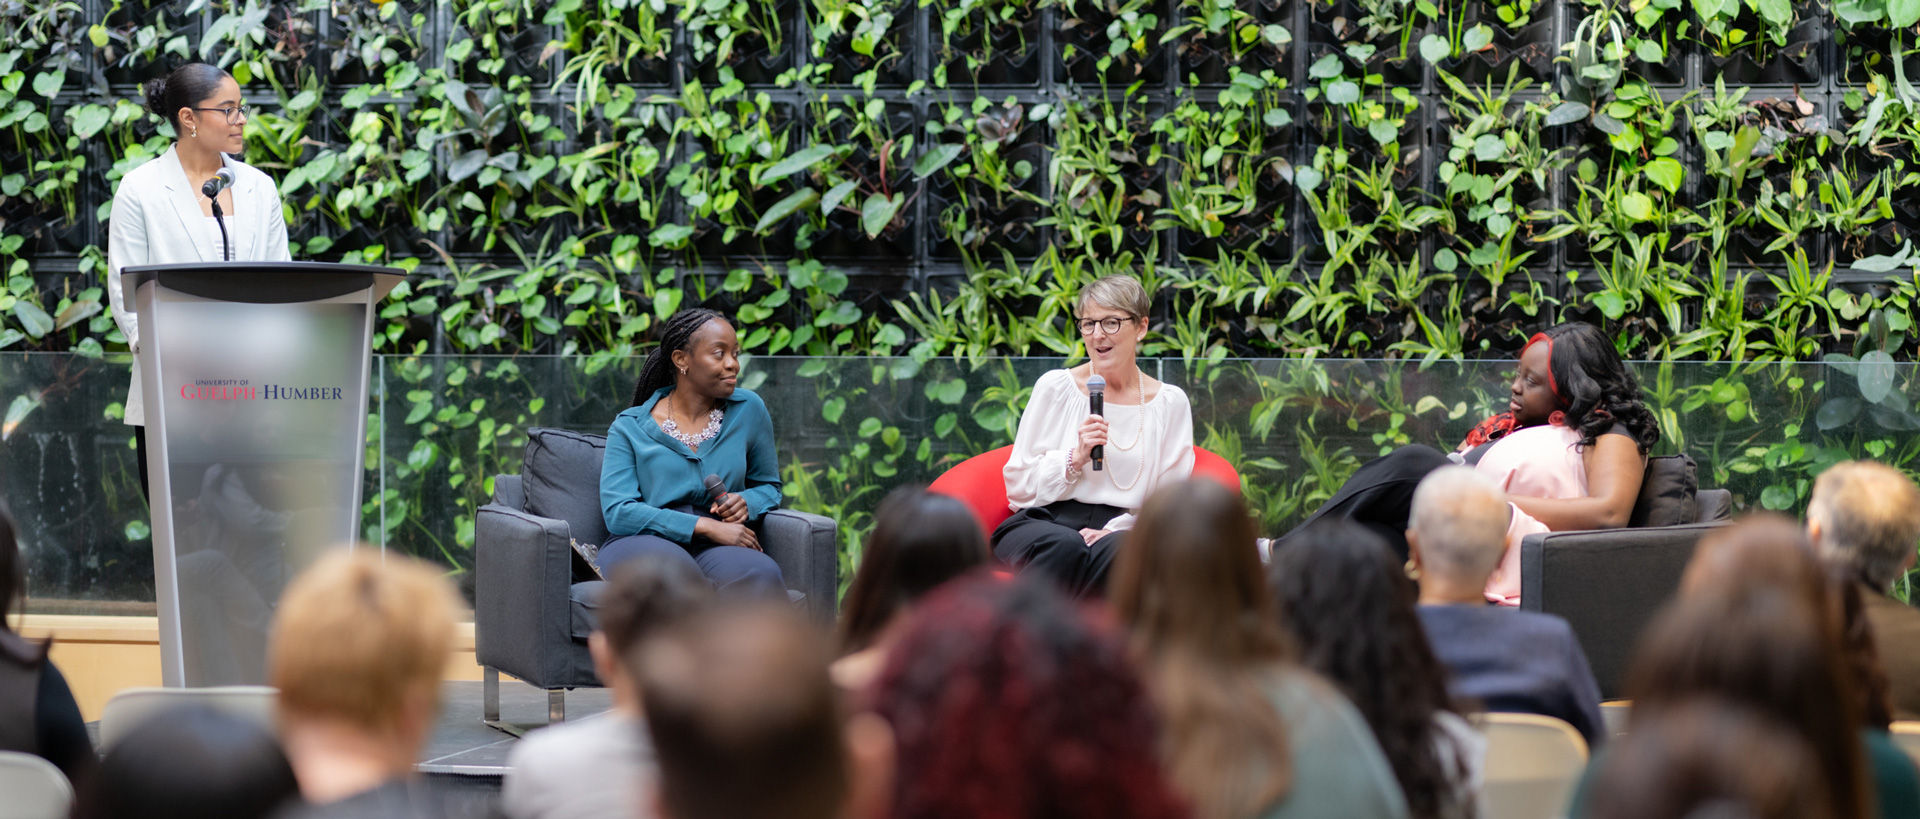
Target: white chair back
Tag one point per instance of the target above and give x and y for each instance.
(33, 788)
(129, 708)
(1533, 765)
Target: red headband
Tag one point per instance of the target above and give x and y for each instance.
(1541, 338)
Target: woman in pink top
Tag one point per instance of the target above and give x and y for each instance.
(1570, 451)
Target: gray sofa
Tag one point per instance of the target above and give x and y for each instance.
(1609, 584)
(534, 599)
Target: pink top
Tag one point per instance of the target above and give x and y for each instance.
(1535, 462)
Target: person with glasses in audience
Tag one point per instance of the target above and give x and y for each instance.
(1071, 511)
(161, 215)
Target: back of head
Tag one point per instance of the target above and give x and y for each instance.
(649, 594)
(357, 634)
(1867, 518)
(1701, 758)
(1766, 549)
(191, 762)
(743, 717)
(1460, 521)
(1007, 701)
(1188, 588)
(919, 541)
(1763, 647)
(1350, 610)
(12, 585)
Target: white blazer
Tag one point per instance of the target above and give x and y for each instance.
(156, 219)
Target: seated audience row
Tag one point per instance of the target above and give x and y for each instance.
(1325, 684)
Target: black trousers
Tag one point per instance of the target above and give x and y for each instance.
(1379, 496)
(1046, 539)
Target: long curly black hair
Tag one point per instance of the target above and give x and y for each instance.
(1595, 386)
(675, 334)
(1350, 610)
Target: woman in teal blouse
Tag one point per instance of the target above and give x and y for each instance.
(690, 420)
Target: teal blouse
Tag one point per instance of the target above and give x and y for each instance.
(646, 472)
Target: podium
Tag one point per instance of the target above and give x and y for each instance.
(255, 379)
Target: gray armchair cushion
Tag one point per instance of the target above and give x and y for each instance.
(1666, 493)
(584, 606)
(522, 613)
(509, 492)
(1608, 584)
(1713, 505)
(562, 480)
(804, 546)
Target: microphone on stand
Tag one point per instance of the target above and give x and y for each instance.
(222, 180)
(1096, 405)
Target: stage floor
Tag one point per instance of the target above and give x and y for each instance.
(462, 745)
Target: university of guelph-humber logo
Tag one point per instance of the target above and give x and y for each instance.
(229, 389)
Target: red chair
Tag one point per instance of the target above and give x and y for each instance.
(980, 482)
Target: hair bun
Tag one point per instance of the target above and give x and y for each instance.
(156, 93)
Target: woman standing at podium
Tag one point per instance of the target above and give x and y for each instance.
(162, 215)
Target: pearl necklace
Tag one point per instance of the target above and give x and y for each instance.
(1140, 411)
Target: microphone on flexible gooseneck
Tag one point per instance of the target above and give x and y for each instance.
(1096, 405)
(221, 180)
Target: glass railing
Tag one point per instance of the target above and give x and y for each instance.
(850, 429)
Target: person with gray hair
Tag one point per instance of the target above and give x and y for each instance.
(1505, 659)
(1864, 518)
(1076, 474)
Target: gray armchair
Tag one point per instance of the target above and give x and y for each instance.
(1610, 583)
(533, 611)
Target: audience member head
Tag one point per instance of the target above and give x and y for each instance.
(1765, 647)
(1350, 609)
(1701, 758)
(359, 645)
(1865, 517)
(1007, 701)
(1769, 549)
(13, 582)
(641, 597)
(190, 762)
(1188, 588)
(919, 541)
(743, 718)
(1593, 385)
(1456, 533)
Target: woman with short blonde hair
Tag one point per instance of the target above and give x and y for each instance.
(1071, 511)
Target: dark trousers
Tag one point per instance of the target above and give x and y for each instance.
(733, 570)
(1046, 539)
(1379, 496)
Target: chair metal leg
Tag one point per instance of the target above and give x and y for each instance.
(490, 704)
(556, 706)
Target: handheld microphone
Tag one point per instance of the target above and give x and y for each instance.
(222, 180)
(716, 489)
(1096, 405)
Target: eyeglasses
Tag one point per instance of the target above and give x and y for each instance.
(234, 115)
(1106, 325)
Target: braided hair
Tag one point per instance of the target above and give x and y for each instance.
(675, 334)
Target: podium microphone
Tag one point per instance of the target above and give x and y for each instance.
(716, 489)
(222, 180)
(1096, 405)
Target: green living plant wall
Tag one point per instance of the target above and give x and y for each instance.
(1431, 180)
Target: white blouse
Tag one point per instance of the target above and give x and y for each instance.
(1148, 446)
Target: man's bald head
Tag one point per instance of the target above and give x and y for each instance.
(1459, 519)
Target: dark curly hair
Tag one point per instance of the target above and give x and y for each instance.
(1594, 387)
(1007, 701)
(1351, 611)
(675, 334)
